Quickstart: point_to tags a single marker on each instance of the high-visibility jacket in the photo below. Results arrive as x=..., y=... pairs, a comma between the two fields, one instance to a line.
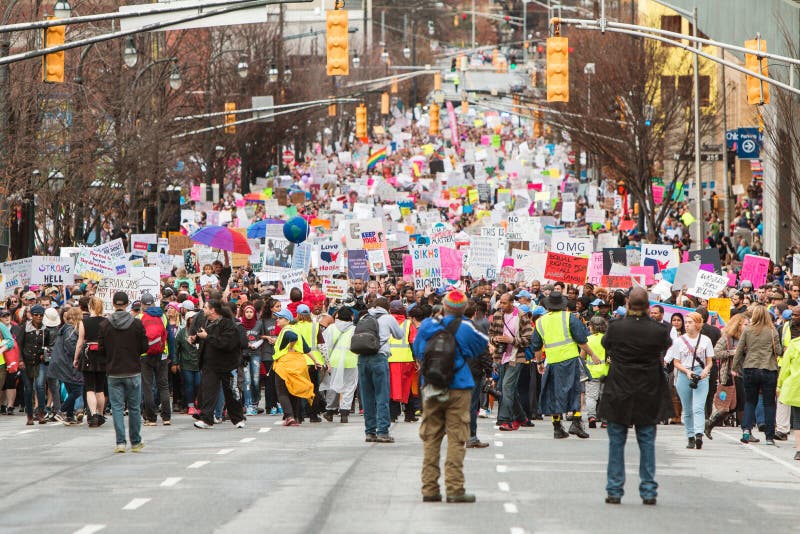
x=279, y=341
x=553, y=328
x=400, y=348
x=308, y=331
x=597, y=371
x=340, y=343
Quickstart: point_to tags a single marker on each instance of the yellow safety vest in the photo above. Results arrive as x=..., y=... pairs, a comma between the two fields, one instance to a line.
x=281, y=352
x=553, y=328
x=308, y=331
x=340, y=342
x=595, y=343
x=400, y=348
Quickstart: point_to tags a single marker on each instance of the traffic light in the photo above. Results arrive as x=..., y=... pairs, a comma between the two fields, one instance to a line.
x=53, y=64
x=393, y=88
x=455, y=21
x=331, y=108
x=619, y=107
x=361, y=121
x=230, y=119
x=453, y=65
x=537, y=124
x=757, y=91
x=464, y=107
x=512, y=62
x=336, y=41
x=621, y=189
x=437, y=81
x=384, y=103
x=434, y=116
x=558, y=69
x=649, y=111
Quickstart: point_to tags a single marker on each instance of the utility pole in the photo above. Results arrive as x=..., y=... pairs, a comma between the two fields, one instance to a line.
x=472, y=45
x=726, y=216
x=699, y=231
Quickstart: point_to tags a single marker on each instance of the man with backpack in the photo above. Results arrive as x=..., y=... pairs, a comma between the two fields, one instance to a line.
x=155, y=364
x=371, y=342
x=444, y=345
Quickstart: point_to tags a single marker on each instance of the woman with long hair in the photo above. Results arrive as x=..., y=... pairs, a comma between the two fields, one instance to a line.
x=92, y=362
x=271, y=307
x=692, y=354
x=756, y=359
x=723, y=356
x=62, y=366
x=678, y=326
x=254, y=330
x=188, y=364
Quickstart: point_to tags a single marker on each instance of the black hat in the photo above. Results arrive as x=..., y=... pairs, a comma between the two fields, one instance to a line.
x=556, y=301
x=120, y=298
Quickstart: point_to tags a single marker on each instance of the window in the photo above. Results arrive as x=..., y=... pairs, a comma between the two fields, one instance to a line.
x=686, y=84
x=667, y=90
x=671, y=23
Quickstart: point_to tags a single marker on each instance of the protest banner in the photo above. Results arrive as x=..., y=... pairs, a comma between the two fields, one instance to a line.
x=427, y=266
x=16, y=274
x=329, y=258
x=357, y=266
x=52, y=271
x=442, y=236
x=658, y=256
x=138, y=282
x=566, y=268
x=292, y=278
x=707, y=285
x=722, y=306
x=595, y=272
x=617, y=282
x=755, y=269
x=334, y=288
x=595, y=216
x=106, y=260
x=572, y=246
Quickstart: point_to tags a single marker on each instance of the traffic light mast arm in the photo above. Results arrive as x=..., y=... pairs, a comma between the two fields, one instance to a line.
x=673, y=39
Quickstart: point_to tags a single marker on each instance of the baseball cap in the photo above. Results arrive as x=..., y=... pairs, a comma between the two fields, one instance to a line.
x=524, y=295
x=621, y=311
x=539, y=310
x=787, y=315
x=597, y=302
x=37, y=310
x=28, y=295
x=120, y=298
x=286, y=314
x=188, y=305
x=525, y=308
x=148, y=300
x=303, y=309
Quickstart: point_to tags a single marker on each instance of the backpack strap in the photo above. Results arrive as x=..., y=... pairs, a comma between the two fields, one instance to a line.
x=452, y=329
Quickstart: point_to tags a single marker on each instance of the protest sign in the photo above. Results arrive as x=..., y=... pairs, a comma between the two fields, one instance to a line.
x=755, y=269
x=178, y=242
x=292, y=278
x=708, y=285
x=138, y=282
x=451, y=263
x=568, y=212
x=686, y=275
x=329, y=258
x=617, y=282
x=595, y=272
x=612, y=256
x=396, y=260
x=572, y=246
x=532, y=264
x=334, y=288
x=442, y=236
x=482, y=259
x=645, y=270
x=706, y=256
x=722, y=306
x=427, y=266
x=52, y=271
x=106, y=260
x=595, y=216
x=357, y=266
x=278, y=252
x=796, y=265
x=658, y=256
x=376, y=259
x=16, y=274
x=141, y=244
x=566, y=268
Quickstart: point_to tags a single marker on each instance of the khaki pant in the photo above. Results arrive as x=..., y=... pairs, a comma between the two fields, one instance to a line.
x=438, y=419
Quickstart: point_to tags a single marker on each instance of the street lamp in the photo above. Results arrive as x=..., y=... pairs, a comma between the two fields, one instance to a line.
x=62, y=9
x=129, y=54
x=406, y=52
x=242, y=69
x=55, y=181
x=287, y=74
x=356, y=60
x=175, y=77
x=384, y=56
x=273, y=73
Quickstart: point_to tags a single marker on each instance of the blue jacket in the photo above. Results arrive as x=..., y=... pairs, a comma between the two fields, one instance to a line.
x=471, y=344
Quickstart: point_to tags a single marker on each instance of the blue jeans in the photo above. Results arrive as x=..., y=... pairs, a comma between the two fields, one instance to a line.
x=510, y=405
x=74, y=392
x=760, y=381
x=646, y=438
x=122, y=391
x=252, y=385
x=693, y=402
x=373, y=381
x=37, y=385
x=191, y=385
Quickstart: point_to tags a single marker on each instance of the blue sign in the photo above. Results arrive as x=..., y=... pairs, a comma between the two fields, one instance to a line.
x=731, y=139
x=748, y=143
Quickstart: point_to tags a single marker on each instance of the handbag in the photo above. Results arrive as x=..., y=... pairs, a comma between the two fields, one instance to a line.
x=725, y=398
x=12, y=358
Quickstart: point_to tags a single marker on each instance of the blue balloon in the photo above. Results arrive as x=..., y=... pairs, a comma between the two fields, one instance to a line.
x=295, y=229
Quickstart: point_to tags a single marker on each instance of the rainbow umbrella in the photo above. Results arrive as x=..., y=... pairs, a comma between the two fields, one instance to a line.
x=255, y=197
x=223, y=238
x=258, y=230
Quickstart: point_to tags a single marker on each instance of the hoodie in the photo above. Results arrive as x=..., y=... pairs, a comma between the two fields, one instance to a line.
x=123, y=340
x=387, y=327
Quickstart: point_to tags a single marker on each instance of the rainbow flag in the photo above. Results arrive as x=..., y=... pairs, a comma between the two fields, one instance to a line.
x=376, y=157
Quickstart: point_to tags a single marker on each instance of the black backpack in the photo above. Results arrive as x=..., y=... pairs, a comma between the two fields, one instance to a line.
x=439, y=359
x=365, y=340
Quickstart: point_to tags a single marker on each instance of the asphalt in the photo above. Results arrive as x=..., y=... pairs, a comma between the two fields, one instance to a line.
x=323, y=478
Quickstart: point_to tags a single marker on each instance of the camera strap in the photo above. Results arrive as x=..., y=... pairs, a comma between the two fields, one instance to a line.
x=694, y=351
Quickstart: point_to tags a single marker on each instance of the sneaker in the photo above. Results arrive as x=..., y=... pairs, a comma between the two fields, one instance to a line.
x=475, y=443
x=483, y=414
x=592, y=422
x=287, y=421
x=781, y=436
x=273, y=411
x=10, y=411
x=649, y=502
x=293, y=422
x=69, y=421
x=240, y=424
x=527, y=423
x=166, y=422
x=120, y=447
x=138, y=447
x=753, y=439
x=202, y=424
x=2, y=410
x=192, y=410
x=797, y=455
x=371, y=438
x=49, y=417
x=61, y=418
x=280, y=411
x=769, y=442
x=79, y=416
x=612, y=499
x=217, y=420
x=251, y=411
x=507, y=427
x=101, y=420
x=149, y=423
x=385, y=438
x=259, y=411
x=463, y=498
x=434, y=498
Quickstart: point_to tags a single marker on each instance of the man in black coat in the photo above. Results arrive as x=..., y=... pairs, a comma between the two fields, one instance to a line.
x=220, y=354
x=636, y=393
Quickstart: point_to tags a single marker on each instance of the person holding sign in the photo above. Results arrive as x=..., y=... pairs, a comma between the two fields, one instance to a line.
x=561, y=334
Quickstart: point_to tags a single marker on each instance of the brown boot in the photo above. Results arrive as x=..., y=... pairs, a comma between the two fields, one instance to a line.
x=343, y=416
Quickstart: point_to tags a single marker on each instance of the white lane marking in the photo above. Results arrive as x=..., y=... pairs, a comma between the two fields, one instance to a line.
x=263, y=430
x=170, y=481
x=225, y=451
x=90, y=529
x=499, y=456
x=503, y=486
x=498, y=434
x=246, y=440
x=510, y=508
x=136, y=503
x=498, y=443
x=28, y=431
x=517, y=530
x=502, y=468
x=199, y=464
x=758, y=451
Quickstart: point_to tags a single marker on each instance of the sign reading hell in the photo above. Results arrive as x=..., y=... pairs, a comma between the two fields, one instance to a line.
x=566, y=268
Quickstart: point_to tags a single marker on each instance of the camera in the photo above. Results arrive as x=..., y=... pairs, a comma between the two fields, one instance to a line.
x=694, y=380
x=500, y=348
x=490, y=390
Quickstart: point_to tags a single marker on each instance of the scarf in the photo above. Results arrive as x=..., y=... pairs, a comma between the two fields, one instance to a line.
x=249, y=324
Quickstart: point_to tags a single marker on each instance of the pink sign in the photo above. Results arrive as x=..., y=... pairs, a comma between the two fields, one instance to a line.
x=408, y=269
x=194, y=193
x=755, y=269
x=451, y=262
x=595, y=274
x=647, y=270
x=731, y=279
x=508, y=262
x=658, y=194
x=708, y=267
x=486, y=140
x=240, y=203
